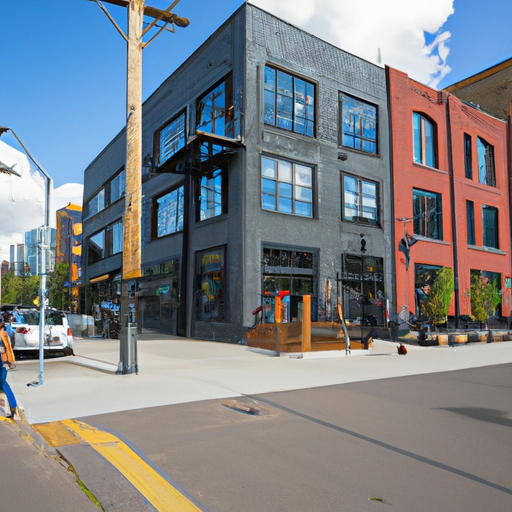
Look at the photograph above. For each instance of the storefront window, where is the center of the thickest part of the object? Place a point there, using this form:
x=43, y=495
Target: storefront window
x=362, y=282
x=211, y=288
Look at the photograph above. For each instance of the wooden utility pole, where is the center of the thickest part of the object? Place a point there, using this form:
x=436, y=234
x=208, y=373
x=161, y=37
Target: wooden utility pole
x=133, y=167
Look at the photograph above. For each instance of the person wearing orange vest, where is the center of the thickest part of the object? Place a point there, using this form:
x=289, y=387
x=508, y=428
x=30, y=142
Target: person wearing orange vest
x=7, y=362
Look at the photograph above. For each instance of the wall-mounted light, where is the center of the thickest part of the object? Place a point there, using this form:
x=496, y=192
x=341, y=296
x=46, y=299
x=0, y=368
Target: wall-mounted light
x=342, y=156
x=363, y=244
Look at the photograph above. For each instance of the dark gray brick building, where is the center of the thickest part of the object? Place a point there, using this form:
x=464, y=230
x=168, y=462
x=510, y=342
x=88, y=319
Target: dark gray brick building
x=266, y=170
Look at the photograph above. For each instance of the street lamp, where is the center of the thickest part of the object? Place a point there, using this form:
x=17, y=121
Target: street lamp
x=44, y=246
x=5, y=169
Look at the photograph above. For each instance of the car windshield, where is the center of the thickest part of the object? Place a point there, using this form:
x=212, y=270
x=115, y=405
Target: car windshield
x=31, y=317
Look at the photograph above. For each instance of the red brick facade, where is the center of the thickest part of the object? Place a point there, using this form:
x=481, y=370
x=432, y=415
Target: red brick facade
x=459, y=133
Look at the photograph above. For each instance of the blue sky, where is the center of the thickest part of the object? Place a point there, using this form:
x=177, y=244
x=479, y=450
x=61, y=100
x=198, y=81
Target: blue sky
x=64, y=64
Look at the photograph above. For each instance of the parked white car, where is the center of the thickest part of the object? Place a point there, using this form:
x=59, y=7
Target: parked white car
x=25, y=328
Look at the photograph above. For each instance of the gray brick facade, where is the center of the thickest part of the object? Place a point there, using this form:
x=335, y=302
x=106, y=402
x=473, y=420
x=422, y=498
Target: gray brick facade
x=242, y=47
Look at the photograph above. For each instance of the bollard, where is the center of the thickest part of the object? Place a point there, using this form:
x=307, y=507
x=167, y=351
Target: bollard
x=306, y=323
x=128, y=339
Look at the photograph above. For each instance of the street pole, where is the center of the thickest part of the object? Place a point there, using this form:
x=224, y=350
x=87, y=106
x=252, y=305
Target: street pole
x=133, y=168
x=44, y=245
x=132, y=231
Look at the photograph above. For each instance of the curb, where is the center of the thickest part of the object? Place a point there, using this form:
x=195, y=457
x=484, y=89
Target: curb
x=451, y=339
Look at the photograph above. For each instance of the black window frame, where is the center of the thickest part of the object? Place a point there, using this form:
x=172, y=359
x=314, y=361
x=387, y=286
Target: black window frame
x=157, y=141
x=470, y=222
x=108, y=242
x=121, y=175
x=101, y=192
x=180, y=212
x=273, y=98
x=487, y=161
x=227, y=112
x=421, y=224
x=295, y=186
x=468, y=156
x=490, y=234
x=201, y=184
x=344, y=136
x=423, y=139
x=360, y=218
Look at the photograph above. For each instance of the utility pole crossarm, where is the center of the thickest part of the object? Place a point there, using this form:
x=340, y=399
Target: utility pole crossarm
x=152, y=12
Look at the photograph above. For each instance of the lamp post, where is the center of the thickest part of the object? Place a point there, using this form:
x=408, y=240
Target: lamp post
x=44, y=244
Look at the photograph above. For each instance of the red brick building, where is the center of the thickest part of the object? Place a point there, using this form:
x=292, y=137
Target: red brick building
x=451, y=194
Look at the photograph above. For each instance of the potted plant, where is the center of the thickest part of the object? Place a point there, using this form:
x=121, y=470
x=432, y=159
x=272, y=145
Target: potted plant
x=435, y=307
x=485, y=297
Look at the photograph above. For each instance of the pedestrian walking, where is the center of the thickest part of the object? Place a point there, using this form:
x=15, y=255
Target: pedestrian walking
x=7, y=362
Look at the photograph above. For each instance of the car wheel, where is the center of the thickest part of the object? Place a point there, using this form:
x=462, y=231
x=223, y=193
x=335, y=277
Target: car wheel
x=68, y=351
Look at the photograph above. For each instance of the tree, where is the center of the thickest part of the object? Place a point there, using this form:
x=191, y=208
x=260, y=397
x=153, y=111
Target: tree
x=58, y=293
x=485, y=296
x=439, y=296
x=19, y=289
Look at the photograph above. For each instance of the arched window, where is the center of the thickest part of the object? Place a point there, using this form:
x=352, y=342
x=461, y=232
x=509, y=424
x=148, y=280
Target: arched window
x=424, y=139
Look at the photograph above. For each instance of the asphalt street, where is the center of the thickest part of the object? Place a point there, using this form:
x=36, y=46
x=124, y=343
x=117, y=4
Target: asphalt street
x=419, y=443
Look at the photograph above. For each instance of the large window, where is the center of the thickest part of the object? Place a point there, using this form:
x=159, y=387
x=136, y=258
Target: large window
x=424, y=277
x=211, y=285
x=286, y=187
x=362, y=288
x=468, y=156
x=215, y=110
x=106, y=243
x=289, y=102
x=169, y=213
x=111, y=192
x=424, y=140
x=95, y=204
x=490, y=226
x=360, y=200
x=470, y=222
x=115, y=238
x=486, y=174
x=292, y=271
x=171, y=138
x=358, y=124
x=212, y=195
x=427, y=212
x=96, y=247
x=117, y=186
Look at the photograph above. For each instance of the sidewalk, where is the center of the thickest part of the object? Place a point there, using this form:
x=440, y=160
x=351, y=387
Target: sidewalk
x=177, y=370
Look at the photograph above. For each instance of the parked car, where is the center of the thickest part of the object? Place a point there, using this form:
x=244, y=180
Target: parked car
x=24, y=327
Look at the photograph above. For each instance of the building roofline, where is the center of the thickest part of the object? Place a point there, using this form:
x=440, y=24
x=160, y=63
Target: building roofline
x=480, y=76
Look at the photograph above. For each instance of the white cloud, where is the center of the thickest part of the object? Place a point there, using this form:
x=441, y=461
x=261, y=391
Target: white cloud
x=22, y=200
x=362, y=27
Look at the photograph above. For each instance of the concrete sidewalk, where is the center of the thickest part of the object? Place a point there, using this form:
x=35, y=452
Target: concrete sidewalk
x=177, y=370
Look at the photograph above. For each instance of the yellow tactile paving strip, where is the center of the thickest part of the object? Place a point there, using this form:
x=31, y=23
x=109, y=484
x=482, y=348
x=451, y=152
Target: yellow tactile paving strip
x=156, y=489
